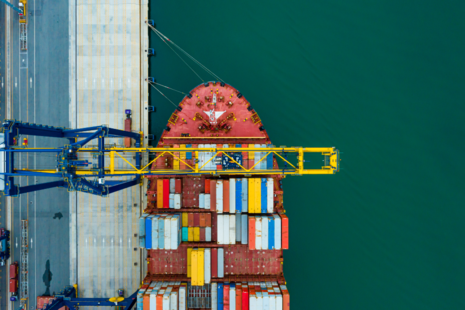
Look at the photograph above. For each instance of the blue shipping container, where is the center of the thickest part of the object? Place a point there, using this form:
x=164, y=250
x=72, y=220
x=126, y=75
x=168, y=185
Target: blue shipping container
x=142, y=231
x=220, y=296
x=270, y=233
x=269, y=159
x=185, y=234
x=148, y=235
x=189, y=154
x=245, y=195
x=238, y=195
x=161, y=233
x=264, y=195
x=155, y=232
x=244, y=228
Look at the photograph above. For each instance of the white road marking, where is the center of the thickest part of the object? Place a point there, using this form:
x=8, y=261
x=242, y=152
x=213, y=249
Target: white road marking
x=30, y=80
x=16, y=242
x=2, y=81
x=31, y=243
x=16, y=81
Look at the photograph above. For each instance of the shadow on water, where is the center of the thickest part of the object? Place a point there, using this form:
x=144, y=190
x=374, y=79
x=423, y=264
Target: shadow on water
x=58, y=215
x=47, y=278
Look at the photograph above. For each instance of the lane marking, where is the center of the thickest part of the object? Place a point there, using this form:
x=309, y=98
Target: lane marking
x=30, y=81
x=16, y=81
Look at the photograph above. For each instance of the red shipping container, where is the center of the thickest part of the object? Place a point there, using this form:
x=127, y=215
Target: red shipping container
x=213, y=195
x=207, y=186
x=202, y=220
x=238, y=296
x=286, y=299
x=44, y=300
x=214, y=263
x=226, y=196
x=226, y=297
x=196, y=220
x=208, y=219
x=166, y=193
x=202, y=234
x=245, y=297
x=190, y=220
x=13, y=270
x=285, y=232
x=177, y=186
x=146, y=302
x=220, y=155
x=214, y=226
x=251, y=233
x=13, y=285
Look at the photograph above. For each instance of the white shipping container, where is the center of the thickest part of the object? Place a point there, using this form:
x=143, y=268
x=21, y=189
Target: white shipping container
x=269, y=194
x=167, y=240
x=279, y=298
x=153, y=300
x=201, y=156
x=208, y=234
x=232, y=297
x=207, y=265
x=272, y=298
x=212, y=154
x=232, y=229
x=207, y=201
x=258, y=156
x=155, y=232
x=220, y=229
x=182, y=298
x=174, y=233
x=219, y=196
x=277, y=232
x=264, y=232
x=232, y=195
x=225, y=229
x=172, y=185
x=259, y=300
x=174, y=301
x=253, y=302
x=258, y=233
x=220, y=263
x=171, y=201
x=214, y=291
x=177, y=201
x=263, y=163
x=266, y=300
x=245, y=195
x=202, y=201
x=238, y=227
x=166, y=300
x=244, y=229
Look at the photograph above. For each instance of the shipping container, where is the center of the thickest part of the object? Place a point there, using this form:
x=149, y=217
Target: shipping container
x=172, y=185
x=277, y=232
x=219, y=196
x=188, y=154
x=219, y=157
x=182, y=297
x=263, y=162
x=220, y=229
x=271, y=233
x=220, y=296
x=177, y=201
x=166, y=193
x=185, y=219
x=148, y=230
x=185, y=234
x=142, y=220
x=201, y=155
x=200, y=267
x=190, y=220
x=161, y=232
x=220, y=263
x=239, y=195
x=213, y=191
x=245, y=296
x=207, y=186
x=269, y=159
x=155, y=232
x=258, y=195
x=238, y=296
x=252, y=233
x=259, y=298
x=232, y=296
x=189, y=262
x=214, y=263
x=226, y=195
x=285, y=232
x=196, y=234
x=232, y=229
x=258, y=233
x=208, y=219
x=174, y=232
x=202, y=220
x=174, y=299
x=270, y=195
x=245, y=195
x=194, y=267
x=286, y=299
x=226, y=223
x=159, y=193
x=244, y=230
x=208, y=234
x=226, y=296
x=258, y=157
x=264, y=232
x=176, y=157
x=167, y=232
x=202, y=201
x=202, y=234
x=13, y=285
x=238, y=228
x=196, y=219
x=178, y=186
x=214, y=292
x=251, y=195
x=171, y=204
x=264, y=193
x=232, y=195
x=13, y=270
x=207, y=265
x=207, y=201
x=252, y=298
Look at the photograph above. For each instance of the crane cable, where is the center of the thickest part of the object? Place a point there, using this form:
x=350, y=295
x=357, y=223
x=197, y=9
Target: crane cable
x=188, y=55
x=178, y=55
x=169, y=88
x=151, y=84
x=166, y=40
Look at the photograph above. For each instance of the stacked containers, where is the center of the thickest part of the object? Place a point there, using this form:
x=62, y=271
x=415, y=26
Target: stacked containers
x=265, y=233
x=142, y=230
x=196, y=227
x=269, y=159
x=148, y=229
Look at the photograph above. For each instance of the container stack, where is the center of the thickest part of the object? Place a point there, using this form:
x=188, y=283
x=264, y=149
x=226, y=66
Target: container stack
x=196, y=227
x=169, y=192
x=162, y=231
x=199, y=262
x=162, y=295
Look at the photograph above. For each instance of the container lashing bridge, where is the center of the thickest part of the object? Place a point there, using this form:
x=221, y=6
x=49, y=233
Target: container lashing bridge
x=77, y=174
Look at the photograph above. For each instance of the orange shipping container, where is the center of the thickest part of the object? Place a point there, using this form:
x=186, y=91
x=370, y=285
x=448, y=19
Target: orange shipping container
x=159, y=193
x=251, y=233
x=146, y=302
x=285, y=232
x=202, y=220
x=190, y=220
x=226, y=196
x=213, y=195
x=208, y=219
x=286, y=298
x=238, y=296
x=207, y=186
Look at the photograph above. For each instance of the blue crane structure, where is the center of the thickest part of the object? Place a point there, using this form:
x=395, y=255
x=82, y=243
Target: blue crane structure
x=67, y=159
x=68, y=297
x=12, y=6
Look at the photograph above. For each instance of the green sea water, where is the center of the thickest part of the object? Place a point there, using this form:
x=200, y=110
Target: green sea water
x=384, y=82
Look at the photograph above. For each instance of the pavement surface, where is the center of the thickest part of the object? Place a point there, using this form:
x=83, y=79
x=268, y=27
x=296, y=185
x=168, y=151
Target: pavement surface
x=39, y=89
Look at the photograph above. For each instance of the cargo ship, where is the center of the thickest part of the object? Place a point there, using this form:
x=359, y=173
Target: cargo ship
x=215, y=240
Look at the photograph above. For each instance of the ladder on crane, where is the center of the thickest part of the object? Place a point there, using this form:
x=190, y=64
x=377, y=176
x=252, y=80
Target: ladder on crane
x=24, y=293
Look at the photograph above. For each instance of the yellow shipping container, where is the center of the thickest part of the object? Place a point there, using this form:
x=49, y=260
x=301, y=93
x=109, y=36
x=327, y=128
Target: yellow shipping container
x=195, y=268
x=189, y=262
x=190, y=234
x=183, y=154
x=185, y=219
x=196, y=233
x=200, y=268
x=258, y=196
x=251, y=154
x=159, y=193
x=251, y=191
